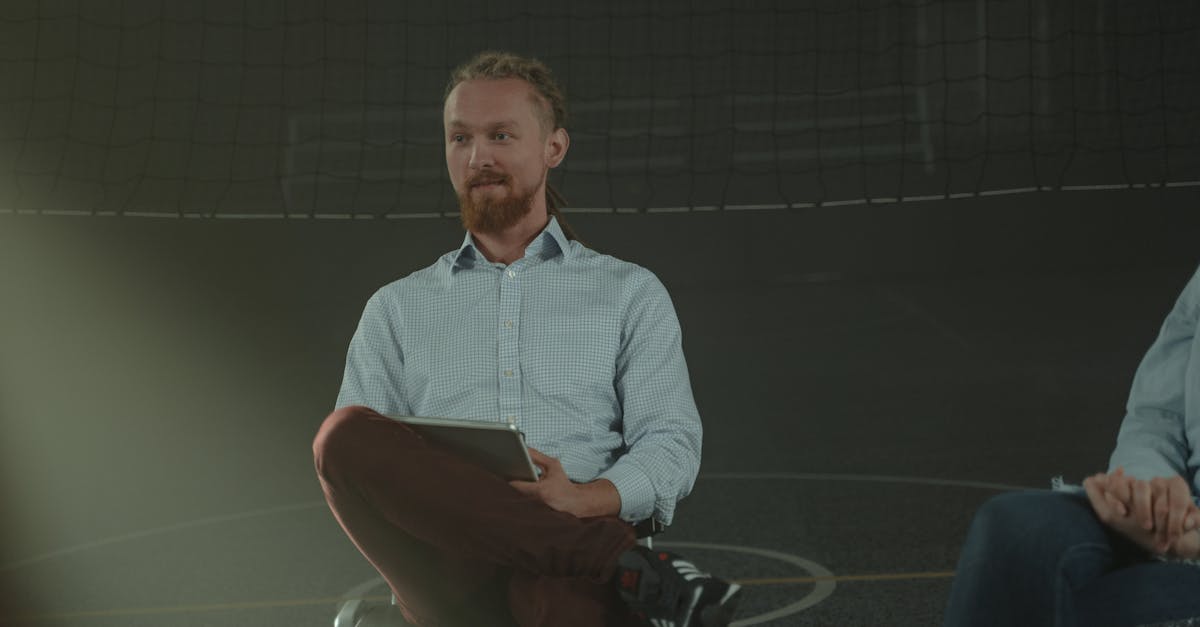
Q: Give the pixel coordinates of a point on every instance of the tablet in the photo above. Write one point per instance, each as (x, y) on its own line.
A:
(495, 446)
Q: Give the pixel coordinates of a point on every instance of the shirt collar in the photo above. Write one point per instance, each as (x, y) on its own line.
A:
(550, 242)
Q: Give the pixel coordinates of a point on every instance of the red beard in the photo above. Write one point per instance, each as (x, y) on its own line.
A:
(493, 215)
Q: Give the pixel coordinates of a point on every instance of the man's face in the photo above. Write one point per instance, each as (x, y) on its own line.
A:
(497, 151)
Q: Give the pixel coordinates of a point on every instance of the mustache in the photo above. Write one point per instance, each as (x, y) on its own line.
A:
(486, 179)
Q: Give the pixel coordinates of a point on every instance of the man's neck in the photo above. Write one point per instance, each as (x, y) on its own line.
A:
(509, 245)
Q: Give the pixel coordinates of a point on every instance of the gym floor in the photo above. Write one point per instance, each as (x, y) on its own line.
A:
(162, 380)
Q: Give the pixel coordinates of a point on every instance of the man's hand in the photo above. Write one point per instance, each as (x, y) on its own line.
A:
(1163, 504)
(1115, 512)
(554, 488)
(1158, 515)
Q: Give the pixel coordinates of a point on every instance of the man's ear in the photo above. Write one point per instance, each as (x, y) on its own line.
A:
(556, 147)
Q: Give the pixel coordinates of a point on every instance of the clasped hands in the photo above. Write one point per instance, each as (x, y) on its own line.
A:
(1158, 515)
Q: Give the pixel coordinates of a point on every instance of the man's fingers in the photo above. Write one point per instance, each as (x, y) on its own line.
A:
(1108, 487)
(1116, 505)
(1162, 530)
(528, 488)
(1178, 503)
(1160, 502)
(1121, 487)
(543, 459)
(1093, 486)
(1191, 518)
(1142, 504)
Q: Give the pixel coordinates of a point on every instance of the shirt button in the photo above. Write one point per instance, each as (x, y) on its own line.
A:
(508, 324)
(511, 274)
(508, 373)
(512, 420)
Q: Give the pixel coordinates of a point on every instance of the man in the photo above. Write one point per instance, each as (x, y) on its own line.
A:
(1121, 549)
(523, 325)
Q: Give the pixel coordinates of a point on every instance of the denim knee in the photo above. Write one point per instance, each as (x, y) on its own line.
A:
(1039, 528)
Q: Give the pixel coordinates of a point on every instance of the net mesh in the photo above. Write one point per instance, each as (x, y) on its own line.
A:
(312, 108)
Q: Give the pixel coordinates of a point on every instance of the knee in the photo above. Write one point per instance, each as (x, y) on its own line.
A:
(337, 433)
(1003, 507)
(1044, 518)
(1002, 516)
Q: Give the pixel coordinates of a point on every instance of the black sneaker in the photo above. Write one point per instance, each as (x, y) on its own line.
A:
(666, 590)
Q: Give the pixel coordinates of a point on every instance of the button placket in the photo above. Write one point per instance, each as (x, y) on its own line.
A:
(508, 342)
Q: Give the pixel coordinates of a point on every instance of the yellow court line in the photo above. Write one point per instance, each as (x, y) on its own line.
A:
(879, 577)
(259, 605)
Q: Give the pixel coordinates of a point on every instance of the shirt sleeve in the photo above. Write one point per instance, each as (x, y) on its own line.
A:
(374, 375)
(661, 425)
(1152, 440)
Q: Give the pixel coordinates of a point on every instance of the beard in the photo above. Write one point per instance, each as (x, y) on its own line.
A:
(492, 215)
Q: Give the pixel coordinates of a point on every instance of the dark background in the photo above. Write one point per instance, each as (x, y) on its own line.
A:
(180, 272)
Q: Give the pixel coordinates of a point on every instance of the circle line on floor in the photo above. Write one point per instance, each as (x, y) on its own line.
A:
(823, 587)
(267, 511)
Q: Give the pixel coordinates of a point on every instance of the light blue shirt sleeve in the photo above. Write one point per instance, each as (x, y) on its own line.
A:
(374, 375)
(662, 426)
(1153, 440)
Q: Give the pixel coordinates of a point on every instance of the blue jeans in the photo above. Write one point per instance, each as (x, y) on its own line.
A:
(1043, 558)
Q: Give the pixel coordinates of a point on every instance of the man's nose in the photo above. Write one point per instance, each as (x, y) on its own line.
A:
(481, 156)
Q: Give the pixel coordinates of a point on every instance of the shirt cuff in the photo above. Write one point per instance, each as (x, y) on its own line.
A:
(633, 484)
(1057, 484)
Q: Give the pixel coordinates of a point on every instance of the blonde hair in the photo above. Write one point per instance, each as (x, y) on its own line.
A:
(547, 96)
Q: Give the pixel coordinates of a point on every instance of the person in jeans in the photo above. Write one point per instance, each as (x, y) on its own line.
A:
(523, 325)
(1123, 548)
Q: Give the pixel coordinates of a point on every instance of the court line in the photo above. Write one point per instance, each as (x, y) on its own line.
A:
(818, 476)
(772, 581)
(187, 609)
(212, 520)
(145, 533)
(909, 307)
(285, 603)
(823, 587)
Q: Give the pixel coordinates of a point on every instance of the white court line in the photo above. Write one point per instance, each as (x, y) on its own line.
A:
(213, 520)
(145, 533)
(822, 588)
(910, 308)
(820, 476)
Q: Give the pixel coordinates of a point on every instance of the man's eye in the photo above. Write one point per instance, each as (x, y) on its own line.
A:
(502, 136)
(458, 138)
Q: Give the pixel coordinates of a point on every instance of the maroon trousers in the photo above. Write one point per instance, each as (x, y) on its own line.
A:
(457, 544)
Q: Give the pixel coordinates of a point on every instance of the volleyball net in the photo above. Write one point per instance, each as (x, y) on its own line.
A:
(314, 108)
